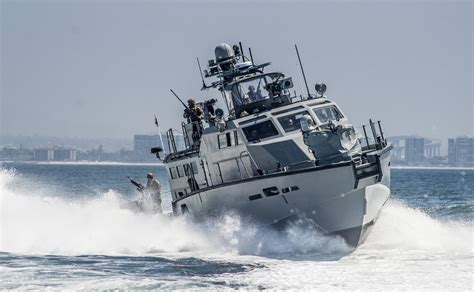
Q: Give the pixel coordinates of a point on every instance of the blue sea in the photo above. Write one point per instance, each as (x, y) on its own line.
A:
(67, 227)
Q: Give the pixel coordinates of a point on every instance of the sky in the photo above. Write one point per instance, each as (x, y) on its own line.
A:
(104, 68)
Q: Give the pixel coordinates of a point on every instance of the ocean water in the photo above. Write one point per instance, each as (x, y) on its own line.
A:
(64, 227)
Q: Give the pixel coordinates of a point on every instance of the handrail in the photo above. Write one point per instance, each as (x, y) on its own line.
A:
(251, 159)
(378, 138)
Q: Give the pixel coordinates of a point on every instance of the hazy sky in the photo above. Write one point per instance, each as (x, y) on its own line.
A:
(104, 68)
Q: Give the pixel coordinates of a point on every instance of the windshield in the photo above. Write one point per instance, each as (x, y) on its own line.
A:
(328, 113)
(260, 131)
(292, 122)
(250, 91)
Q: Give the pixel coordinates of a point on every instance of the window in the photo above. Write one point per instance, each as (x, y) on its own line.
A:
(186, 167)
(287, 110)
(326, 114)
(194, 167)
(180, 170)
(228, 139)
(173, 173)
(190, 167)
(260, 131)
(292, 122)
(236, 137)
(250, 91)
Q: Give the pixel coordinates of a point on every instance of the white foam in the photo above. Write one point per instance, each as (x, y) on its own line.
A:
(401, 227)
(39, 223)
(88, 162)
(407, 249)
(34, 223)
(44, 223)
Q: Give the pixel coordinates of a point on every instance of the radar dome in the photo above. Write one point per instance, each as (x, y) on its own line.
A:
(223, 52)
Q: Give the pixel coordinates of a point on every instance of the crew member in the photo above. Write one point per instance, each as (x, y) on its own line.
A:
(254, 95)
(193, 113)
(153, 192)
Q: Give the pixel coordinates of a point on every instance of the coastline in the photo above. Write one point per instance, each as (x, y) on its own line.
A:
(420, 167)
(431, 167)
(118, 163)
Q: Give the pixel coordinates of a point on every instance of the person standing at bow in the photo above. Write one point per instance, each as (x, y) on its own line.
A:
(152, 193)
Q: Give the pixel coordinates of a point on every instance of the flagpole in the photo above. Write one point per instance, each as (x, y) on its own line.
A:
(161, 136)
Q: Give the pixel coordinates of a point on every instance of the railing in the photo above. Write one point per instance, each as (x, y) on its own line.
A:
(256, 171)
(371, 136)
(171, 141)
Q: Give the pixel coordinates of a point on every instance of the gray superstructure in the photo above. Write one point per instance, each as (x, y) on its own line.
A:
(273, 156)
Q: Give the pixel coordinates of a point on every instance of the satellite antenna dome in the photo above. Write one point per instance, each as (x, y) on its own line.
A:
(223, 52)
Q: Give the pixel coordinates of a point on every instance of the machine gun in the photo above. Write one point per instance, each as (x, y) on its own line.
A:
(189, 114)
(139, 186)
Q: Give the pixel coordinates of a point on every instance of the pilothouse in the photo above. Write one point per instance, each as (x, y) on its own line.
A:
(274, 156)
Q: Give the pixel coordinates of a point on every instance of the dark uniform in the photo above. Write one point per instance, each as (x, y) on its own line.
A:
(194, 115)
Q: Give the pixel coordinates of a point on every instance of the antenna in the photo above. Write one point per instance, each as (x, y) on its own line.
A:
(302, 71)
(251, 57)
(204, 86)
(242, 52)
(161, 136)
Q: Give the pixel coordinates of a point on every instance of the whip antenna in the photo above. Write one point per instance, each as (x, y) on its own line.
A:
(251, 57)
(204, 86)
(302, 71)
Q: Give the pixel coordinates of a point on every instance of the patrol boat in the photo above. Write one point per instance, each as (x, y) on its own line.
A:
(274, 156)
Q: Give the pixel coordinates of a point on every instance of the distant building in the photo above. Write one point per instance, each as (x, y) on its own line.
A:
(461, 151)
(15, 154)
(62, 154)
(178, 140)
(398, 152)
(54, 154)
(432, 148)
(414, 149)
(142, 145)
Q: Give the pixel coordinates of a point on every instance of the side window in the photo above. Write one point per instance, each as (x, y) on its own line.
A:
(173, 173)
(292, 122)
(326, 114)
(180, 170)
(230, 139)
(257, 132)
(187, 168)
(190, 168)
(227, 139)
(194, 167)
(236, 137)
(222, 140)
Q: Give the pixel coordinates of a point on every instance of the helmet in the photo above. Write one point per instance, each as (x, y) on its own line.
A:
(149, 175)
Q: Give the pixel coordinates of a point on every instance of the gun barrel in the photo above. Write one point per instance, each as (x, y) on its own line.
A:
(139, 186)
(179, 98)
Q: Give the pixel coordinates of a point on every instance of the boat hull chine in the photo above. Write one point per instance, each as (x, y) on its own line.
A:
(333, 198)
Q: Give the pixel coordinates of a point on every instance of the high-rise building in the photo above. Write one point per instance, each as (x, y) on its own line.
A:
(55, 154)
(178, 140)
(142, 145)
(461, 150)
(414, 149)
(43, 154)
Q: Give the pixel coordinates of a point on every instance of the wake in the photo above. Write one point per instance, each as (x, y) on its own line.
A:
(35, 222)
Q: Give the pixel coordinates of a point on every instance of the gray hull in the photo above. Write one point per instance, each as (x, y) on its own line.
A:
(333, 197)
